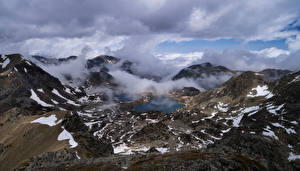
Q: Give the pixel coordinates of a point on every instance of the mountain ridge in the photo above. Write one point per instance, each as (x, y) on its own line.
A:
(245, 121)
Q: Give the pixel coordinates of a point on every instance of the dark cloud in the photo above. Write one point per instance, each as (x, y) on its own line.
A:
(49, 26)
(204, 19)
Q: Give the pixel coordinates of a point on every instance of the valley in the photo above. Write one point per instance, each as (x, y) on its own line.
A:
(240, 120)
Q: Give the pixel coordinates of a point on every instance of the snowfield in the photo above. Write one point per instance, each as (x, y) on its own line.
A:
(65, 135)
(50, 120)
(260, 91)
(125, 150)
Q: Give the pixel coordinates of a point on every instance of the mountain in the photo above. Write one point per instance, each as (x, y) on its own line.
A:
(246, 123)
(28, 94)
(274, 74)
(53, 61)
(101, 60)
(207, 75)
(26, 85)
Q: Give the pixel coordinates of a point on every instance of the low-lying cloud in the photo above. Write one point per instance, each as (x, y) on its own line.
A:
(136, 86)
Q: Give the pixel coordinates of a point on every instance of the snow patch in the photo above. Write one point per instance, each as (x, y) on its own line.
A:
(222, 107)
(268, 132)
(65, 135)
(5, 63)
(260, 91)
(125, 150)
(209, 117)
(38, 100)
(40, 90)
(293, 157)
(294, 122)
(50, 120)
(68, 90)
(68, 101)
(152, 120)
(28, 63)
(272, 109)
(237, 120)
(297, 78)
(162, 150)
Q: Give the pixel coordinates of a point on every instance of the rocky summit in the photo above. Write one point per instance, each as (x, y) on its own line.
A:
(240, 120)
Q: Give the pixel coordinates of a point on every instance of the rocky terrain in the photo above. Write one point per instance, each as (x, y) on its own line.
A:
(244, 121)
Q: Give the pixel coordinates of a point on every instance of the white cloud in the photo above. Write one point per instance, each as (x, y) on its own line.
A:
(59, 47)
(137, 86)
(272, 52)
(180, 59)
(294, 43)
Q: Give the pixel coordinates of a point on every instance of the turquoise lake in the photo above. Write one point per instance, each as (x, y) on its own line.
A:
(163, 103)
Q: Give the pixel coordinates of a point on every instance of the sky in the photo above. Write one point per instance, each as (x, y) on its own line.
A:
(160, 35)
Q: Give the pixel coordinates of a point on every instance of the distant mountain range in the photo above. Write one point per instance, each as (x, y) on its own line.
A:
(244, 120)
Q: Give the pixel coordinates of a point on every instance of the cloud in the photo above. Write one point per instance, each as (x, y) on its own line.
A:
(202, 19)
(253, 61)
(136, 86)
(59, 47)
(180, 60)
(132, 29)
(272, 52)
(294, 43)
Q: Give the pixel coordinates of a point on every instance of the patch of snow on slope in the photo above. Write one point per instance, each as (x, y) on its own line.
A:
(260, 91)
(237, 119)
(252, 109)
(65, 135)
(294, 122)
(53, 101)
(288, 130)
(38, 100)
(125, 150)
(5, 63)
(40, 90)
(68, 101)
(272, 109)
(268, 132)
(68, 90)
(162, 150)
(222, 107)
(297, 78)
(50, 120)
(28, 63)
(293, 157)
(209, 117)
(152, 120)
